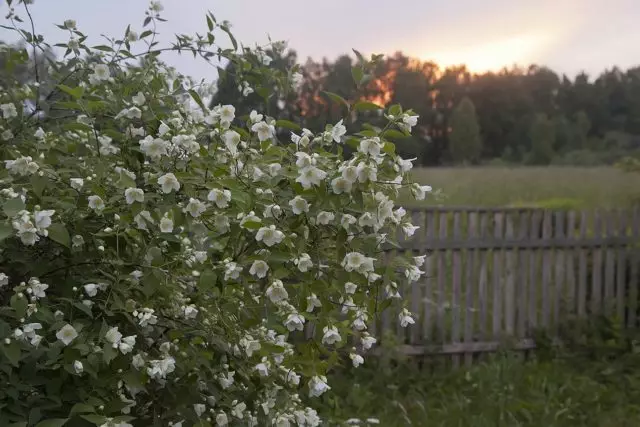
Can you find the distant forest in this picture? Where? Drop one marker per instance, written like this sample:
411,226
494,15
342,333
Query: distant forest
513,116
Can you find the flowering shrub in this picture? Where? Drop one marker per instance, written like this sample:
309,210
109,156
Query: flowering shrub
164,263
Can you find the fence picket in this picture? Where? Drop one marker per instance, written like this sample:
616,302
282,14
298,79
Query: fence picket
596,270
522,276
416,287
457,284
533,277
482,288
570,294
428,299
633,286
621,267
442,272
496,273
547,229
609,290
559,280
582,274
470,282
509,288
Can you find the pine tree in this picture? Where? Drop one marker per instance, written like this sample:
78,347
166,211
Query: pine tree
465,143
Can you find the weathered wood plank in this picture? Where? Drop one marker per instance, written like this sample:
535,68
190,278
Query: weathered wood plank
635,260
458,348
521,287
547,228
534,275
509,279
571,273
596,271
559,279
498,219
457,285
417,218
428,297
621,267
582,274
483,298
442,276
609,284
470,283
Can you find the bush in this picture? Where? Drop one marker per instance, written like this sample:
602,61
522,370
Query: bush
161,260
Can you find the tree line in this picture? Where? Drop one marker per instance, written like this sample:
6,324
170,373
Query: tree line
529,115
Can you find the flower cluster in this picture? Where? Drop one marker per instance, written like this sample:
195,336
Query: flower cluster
162,261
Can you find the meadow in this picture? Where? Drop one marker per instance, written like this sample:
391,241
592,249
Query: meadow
552,187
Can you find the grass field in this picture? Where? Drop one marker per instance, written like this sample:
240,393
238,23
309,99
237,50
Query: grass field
552,187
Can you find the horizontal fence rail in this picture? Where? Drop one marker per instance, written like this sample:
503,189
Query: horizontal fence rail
493,276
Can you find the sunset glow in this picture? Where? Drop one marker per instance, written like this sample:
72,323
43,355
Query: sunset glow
492,56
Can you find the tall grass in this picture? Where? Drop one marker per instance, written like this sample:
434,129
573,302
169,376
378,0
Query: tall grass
571,187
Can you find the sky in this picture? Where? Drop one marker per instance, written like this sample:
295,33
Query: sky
569,36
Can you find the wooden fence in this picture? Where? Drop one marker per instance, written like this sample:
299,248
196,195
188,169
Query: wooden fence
495,275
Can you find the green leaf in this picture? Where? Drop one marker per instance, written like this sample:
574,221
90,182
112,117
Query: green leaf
12,206
76,92
95,419
77,126
196,98
287,125
357,73
6,230
103,48
209,23
39,183
395,134
389,148
19,305
336,98
252,225
12,352
359,56
21,424
145,34
59,233
81,408
395,110
366,106
53,422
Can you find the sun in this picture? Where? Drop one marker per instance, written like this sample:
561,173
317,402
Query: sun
494,55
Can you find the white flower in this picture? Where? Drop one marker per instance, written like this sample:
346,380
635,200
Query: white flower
276,292
311,176
409,229
96,203
304,262
269,235
294,322
166,224
142,218
163,129
4,280
350,288
70,24
137,361
272,211
37,289
331,335
126,344
8,111
408,122
43,219
419,260
312,302
195,207
22,166
231,141
340,185
347,220
7,135
39,133
91,289
199,408
413,273
366,172
67,334
368,341
264,130
232,271
139,99
159,369
155,148
250,346
254,117
318,385
78,367
190,312
113,337
169,182
259,268
274,168
133,195
132,36
220,197
100,73
156,6
304,160
226,381
248,218
227,114
77,183
405,318
356,359
370,146
405,165
221,419
263,369
299,205
420,191
338,131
